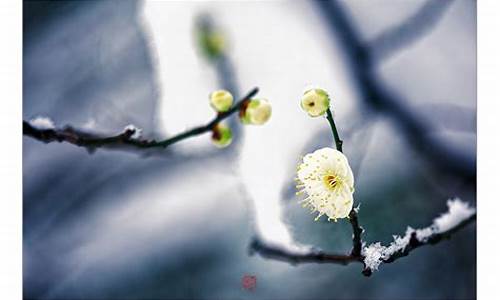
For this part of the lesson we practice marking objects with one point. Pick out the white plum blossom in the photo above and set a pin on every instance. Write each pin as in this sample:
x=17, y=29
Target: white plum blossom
x=42, y=123
x=327, y=179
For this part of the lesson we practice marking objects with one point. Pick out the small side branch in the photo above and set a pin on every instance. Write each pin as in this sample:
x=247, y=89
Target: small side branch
x=91, y=141
x=338, y=141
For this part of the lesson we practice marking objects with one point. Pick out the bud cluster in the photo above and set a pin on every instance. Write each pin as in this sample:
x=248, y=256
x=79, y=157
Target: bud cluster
x=251, y=112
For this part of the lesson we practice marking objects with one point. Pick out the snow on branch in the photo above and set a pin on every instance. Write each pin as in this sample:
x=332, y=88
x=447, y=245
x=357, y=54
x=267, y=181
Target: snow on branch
x=459, y=215
x=42, y=123
x=43, y=129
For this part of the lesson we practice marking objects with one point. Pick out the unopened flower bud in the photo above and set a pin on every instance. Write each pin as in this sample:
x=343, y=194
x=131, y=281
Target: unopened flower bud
x=222, y=135
x=315, y=102
x=256, y=112
x=221, y=100
x=210, y=39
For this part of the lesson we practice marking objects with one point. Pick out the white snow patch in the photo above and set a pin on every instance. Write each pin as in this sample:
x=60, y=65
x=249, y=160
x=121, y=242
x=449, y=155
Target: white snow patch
x=458, y=211
x=90, y=124
x=42, y=123
x=137, y=131
x=373, y=255
x=424, y=233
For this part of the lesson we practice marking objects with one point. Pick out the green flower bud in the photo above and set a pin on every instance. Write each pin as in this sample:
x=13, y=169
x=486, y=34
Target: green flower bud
x=256, y=112
x=222, y=135
x=210, y=40
x=221, y=100
x=315, y=102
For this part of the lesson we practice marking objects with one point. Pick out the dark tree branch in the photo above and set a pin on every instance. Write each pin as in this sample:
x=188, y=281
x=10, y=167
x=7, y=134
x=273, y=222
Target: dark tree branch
x=357, y=230
x=91, y=141
x=283, y=254
x=378, y=97
x=409, y=31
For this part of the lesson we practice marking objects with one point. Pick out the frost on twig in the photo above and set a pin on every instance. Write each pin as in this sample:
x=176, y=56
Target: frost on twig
x=42, y=123
x=137, y=131
x=458, y=213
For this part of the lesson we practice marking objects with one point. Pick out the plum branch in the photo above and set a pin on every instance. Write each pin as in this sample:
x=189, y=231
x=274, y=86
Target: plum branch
x=412, y=240
x=91, y=141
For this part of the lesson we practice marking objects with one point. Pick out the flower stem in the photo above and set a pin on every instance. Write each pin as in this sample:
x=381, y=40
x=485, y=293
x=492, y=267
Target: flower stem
x=353, y=215
x=336, y=137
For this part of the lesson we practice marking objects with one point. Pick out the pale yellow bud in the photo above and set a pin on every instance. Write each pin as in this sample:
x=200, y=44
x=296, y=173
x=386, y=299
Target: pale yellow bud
x=256, y=112
x=221, y=100
x=315, y=102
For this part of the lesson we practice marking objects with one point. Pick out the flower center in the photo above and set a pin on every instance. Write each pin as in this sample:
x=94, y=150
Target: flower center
x=331, y=181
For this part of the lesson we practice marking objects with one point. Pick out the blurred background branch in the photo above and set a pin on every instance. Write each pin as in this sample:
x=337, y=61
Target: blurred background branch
x=375, y=95
x=412, y=29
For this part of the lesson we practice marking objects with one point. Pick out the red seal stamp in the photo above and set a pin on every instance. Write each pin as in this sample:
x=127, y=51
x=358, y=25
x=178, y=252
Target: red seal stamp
x=249, y=282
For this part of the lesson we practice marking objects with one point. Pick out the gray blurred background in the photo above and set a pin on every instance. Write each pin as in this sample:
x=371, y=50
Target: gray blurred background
x=117, y=225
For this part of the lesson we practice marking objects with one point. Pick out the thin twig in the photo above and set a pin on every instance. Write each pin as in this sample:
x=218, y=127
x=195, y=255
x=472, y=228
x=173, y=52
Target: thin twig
x=336, y=137
x=92, y=141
